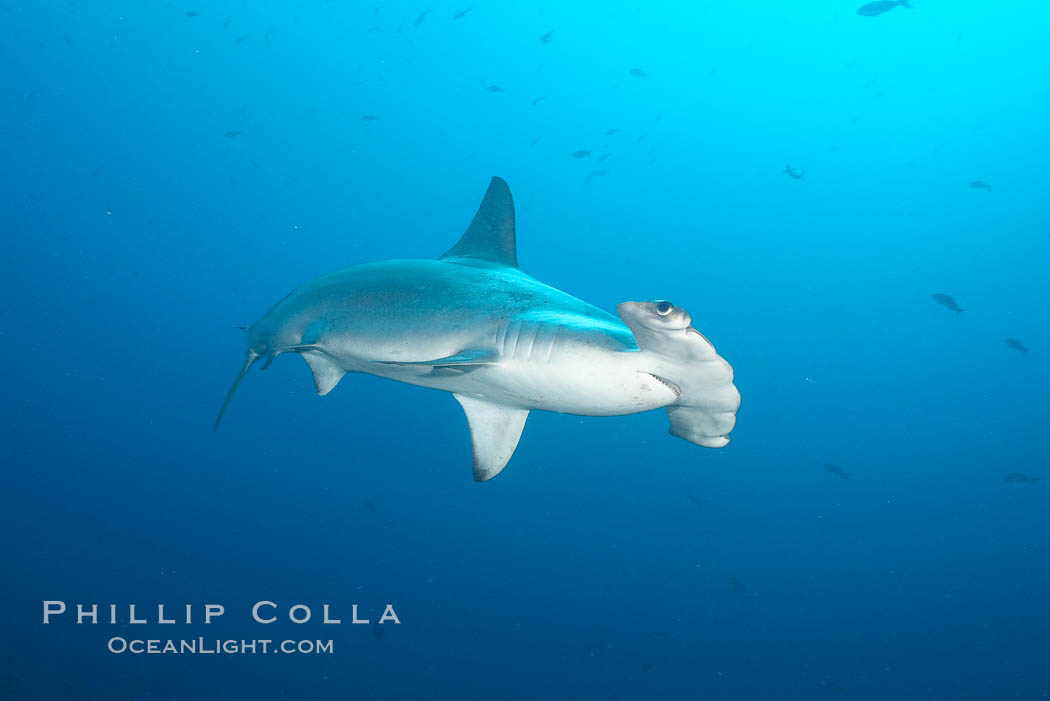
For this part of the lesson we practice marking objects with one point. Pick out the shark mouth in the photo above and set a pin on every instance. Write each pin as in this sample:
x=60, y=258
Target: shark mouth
x=668, y=384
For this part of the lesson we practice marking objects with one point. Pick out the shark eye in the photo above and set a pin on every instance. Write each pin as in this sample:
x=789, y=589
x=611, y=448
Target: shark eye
x=664, y=308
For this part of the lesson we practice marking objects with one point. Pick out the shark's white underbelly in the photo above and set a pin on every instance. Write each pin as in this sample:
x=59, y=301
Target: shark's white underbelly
x=551, y=371
x=609, y=386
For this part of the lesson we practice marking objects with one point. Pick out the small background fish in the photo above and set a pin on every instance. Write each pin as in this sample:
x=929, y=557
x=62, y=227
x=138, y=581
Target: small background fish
x=874, y=9
x=947, y=301
x=1016, y=345
x=835, y=470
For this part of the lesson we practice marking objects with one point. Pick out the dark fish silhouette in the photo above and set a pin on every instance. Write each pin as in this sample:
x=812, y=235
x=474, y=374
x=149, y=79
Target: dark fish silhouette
x=739, y=589
x=1019, y=478
x=603, y=157
x=546, y=37
x=495, y=88
x=980, y=185
x=368, y=118
x=241, y=39
x=580, y=154
x=947, y=301
x=794, y=173
x=461, y=13
x=1014, y=343
x=832, y=685
x=646, y=666
x=874, y=9
x=377, y=630
x=837, y=471
x=695, y=499
x=232, y=133
x=638, y=73
x=226, y=24
x=191, y=14
x=610, y=132
x=537, y=101
x=594, y=174
x=422, y=16
x=535, y=140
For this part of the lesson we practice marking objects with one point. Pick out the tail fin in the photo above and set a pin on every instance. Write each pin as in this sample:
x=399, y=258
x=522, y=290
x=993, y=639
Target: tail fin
x=248, y=362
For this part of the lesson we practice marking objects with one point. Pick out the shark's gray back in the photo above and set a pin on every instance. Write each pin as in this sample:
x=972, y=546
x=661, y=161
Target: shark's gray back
x=463, y=298
x=391, y=305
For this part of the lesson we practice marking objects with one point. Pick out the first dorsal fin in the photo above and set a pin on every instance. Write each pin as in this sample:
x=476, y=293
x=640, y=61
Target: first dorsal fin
x=490, y=236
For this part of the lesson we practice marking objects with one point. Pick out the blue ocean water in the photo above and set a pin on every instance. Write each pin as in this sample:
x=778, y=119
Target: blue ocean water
x=173, y=169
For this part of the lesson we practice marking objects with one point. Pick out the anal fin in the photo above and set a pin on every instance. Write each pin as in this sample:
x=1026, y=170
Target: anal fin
x=494, y=433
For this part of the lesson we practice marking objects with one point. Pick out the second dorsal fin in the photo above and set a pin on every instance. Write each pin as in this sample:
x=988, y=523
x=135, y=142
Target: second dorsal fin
x=490, y=236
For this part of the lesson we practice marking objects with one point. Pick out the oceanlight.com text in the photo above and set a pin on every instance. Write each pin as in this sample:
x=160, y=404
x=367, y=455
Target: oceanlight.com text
x=215, y=646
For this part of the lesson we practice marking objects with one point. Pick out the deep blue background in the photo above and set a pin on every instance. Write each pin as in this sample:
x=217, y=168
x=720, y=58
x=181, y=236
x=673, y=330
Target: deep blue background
x=609, y=560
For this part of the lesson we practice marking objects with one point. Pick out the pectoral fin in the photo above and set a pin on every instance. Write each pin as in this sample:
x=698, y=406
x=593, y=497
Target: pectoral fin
x=494, y=433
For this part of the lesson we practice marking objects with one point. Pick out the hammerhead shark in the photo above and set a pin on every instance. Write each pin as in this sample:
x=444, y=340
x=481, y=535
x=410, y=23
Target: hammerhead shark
x=471, y=323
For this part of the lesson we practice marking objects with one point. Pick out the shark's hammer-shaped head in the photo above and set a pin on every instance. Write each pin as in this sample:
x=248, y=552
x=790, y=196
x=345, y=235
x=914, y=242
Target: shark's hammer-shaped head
x=682, y=358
